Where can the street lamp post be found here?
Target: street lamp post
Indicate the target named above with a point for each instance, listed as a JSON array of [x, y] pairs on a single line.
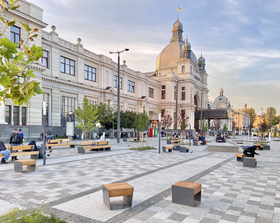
[[177, 90], [118, 118], [44, 131]]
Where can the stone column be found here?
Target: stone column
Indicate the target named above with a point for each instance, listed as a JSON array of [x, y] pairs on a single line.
[[2, 113]]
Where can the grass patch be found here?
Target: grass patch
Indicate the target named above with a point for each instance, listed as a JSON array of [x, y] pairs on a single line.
[[137, 141], [182, 143], [144, 148], [35, 215], [60, 137], [208, 141], [261, 142]]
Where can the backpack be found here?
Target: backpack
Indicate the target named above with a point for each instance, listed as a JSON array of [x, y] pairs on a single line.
[[33, 143], [16, 138]]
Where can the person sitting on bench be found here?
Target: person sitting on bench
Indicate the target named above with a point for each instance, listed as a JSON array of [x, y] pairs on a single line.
[[5, 152], [251, 151]]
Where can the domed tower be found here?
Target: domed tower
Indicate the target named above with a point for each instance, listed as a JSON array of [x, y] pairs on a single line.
[[177, 31], [186, 50], [201, 64]]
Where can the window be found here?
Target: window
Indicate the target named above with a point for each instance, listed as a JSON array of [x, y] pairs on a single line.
[[163, 94], [67, 110], [45, 60], [130, 86], [16, 115], [163, 87], [23, 115], [162, 113], [183, 96], [183, 88], [15, 35], [183, 69], [151, 92], [175, 92], [8, 114], [67, 66], [116, 82], [90, 73], [46, 98]]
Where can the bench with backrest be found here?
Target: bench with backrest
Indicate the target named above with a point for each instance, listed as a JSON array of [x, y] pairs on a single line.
[[126, 139], [88, 143], [173, 140], [60, 142], [104, 145], [25, 151]]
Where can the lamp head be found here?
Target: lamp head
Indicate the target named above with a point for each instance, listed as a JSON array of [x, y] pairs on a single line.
[[111, 52], [126, 49]]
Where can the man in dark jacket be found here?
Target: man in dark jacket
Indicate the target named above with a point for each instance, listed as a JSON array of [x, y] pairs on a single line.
[[15, 140], [5, 152], [251, 151]]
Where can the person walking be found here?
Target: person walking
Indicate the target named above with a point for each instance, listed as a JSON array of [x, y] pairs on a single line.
[[5, 152], [15, 140], [22, 136]]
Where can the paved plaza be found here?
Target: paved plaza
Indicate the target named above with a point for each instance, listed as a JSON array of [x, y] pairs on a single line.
[[70, 185]]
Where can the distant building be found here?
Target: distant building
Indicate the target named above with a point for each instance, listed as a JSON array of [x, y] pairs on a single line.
[[241, 118]]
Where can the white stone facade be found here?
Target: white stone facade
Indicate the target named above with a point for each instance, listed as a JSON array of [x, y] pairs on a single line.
[[65, 89]]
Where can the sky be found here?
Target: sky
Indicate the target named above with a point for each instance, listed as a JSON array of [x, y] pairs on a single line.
[[238, 39]]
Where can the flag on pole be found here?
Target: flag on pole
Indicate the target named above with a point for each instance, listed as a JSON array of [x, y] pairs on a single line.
[[179, 9]]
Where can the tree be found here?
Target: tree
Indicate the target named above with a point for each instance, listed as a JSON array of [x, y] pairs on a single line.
[[233, 125], [166, 121], [267, 114], [263, 124], [142, 123], [252, 114], [183, 119], [275, 120], [16, 59], [217, 124], [225, 128], [86, 116], [105, 114], [204, 126]]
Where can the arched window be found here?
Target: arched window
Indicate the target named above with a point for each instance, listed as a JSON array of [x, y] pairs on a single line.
[[183, 69]]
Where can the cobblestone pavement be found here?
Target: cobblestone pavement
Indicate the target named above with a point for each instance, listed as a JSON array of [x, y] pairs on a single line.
[[70, 185]]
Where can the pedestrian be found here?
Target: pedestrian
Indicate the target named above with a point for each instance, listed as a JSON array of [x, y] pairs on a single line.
[[100, 134], [5, 152], [94, 135], [49, 137], [251, 151], [11, 132], [15, 140], [22, 136]]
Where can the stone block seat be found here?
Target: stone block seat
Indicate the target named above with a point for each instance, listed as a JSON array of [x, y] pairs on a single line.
[[29, 163], [249, 162], [186, 193], [117, 190]]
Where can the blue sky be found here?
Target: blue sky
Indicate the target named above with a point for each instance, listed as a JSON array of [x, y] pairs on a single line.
[[239, 39]]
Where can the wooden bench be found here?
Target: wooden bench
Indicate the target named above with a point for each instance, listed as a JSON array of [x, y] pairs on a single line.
[[173, 141], [86, 143], [186, 193], [249, 162], [239, 157], [33, 154], [126, 139], [29, 163], [99, 145], [117, 190], [60, 142], [167, 148]]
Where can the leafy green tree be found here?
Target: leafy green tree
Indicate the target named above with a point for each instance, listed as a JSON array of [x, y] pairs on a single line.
[[252, 114], [263, 124], [225, 128], [276, 120], [142, 123], [16, 59], [273, 114], [86, 116], [105, 114], [204, 126]]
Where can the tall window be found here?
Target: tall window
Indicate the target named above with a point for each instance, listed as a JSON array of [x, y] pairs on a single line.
[[116, 82], [67, 110], [175, 92], [15, 35], [46, 98], [162, 113], [45, 59], [183, 69], [23, 115], [151, 92], [183, 96], [67, 66], [130, 86], [90, 73], [16, 115], [163, 94], [8, 114]]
